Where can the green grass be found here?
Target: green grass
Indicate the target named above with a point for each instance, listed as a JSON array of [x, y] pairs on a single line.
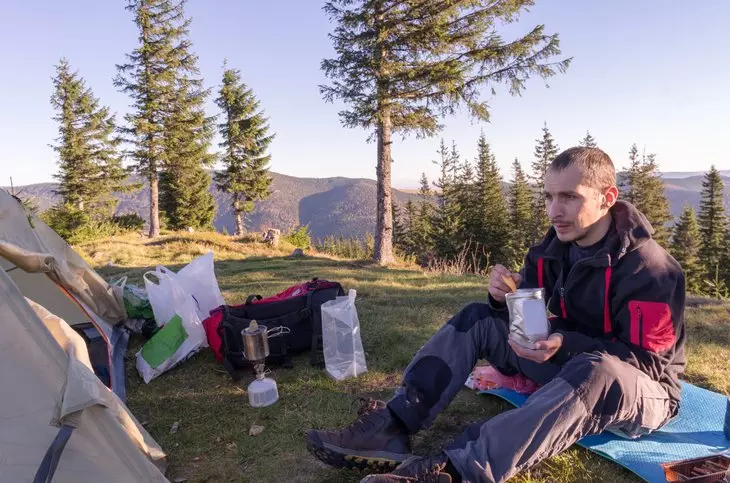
[[399, 308]]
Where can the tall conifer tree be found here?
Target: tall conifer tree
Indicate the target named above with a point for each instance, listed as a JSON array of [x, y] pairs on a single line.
[[521, 214], [154, 77], [546, 150], [89, 165], [712, 221], [685, 248], [402, 65], [246, 139], [493, 231]]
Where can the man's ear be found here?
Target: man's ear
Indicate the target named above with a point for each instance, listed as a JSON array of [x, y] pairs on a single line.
[[610, 197]]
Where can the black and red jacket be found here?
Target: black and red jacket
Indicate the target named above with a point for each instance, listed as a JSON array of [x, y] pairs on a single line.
[[627, 300]]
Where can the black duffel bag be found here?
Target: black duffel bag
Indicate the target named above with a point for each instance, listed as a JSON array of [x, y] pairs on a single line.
[[297, 309]]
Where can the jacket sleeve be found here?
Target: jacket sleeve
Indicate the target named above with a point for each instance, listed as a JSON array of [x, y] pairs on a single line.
[[647, 312]]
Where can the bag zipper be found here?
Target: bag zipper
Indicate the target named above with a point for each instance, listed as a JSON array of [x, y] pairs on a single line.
[[641, 326]]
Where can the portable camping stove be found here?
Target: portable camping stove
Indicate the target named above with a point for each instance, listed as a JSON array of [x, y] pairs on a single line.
[[262, 391]]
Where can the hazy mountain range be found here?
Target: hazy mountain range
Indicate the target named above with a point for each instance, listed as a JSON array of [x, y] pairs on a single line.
[[338, 206]]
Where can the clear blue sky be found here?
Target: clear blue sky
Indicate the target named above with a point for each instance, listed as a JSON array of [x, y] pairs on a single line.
[[652, 72]]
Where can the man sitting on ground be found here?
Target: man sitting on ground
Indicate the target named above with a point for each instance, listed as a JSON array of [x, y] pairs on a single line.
[[612, 361]]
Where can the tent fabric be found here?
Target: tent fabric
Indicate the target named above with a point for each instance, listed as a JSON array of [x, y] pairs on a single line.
[[48, 271], [28, 243], [53, 455], [82, 389], [47, 382]]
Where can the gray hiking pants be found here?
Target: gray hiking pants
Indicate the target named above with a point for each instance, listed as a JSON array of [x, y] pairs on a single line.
[[590, 393]]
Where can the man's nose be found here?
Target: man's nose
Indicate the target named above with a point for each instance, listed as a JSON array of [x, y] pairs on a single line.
[[554, 209]]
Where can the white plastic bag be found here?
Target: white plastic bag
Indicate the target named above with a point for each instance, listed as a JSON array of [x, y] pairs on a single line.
[[160, 294], [182, 334], [198, 279], [343, 353]]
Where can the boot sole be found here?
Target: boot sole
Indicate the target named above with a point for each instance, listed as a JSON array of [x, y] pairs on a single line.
[[376, 461], [387, 479]]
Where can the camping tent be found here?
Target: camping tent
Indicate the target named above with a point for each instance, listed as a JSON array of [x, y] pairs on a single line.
[[57, 418], [49, 272], [48, 384]]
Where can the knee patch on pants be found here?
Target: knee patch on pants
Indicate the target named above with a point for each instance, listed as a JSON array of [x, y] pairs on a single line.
[[426, 381]]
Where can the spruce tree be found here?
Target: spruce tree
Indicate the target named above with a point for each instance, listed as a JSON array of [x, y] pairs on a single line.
[[588, 141], [546, 150], [630, 183], [493, 231], [685, 248], [422, 228], [246, 139], [185, 196], [521, 214], [401, 66], [712, 221], [185, 199], [409, 227], [410, 215], [466, 187], [89, 166], [150, 77], [653, 203], [642, 186], [724, 261], [400, 233], [448, 219], [466, 194]]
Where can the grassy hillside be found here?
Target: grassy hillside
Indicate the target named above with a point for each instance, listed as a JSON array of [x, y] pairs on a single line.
[[399, 308]]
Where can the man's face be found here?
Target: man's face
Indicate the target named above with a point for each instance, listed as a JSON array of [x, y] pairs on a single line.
[[573, 206]]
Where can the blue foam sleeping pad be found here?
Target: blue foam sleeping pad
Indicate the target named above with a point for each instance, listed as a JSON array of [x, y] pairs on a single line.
[[696, 432]]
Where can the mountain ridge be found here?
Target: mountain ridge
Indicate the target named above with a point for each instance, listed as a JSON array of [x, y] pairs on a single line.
[[330, 206]]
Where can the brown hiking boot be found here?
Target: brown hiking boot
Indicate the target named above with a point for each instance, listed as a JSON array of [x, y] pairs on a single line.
[[429, 469], [375, 441]]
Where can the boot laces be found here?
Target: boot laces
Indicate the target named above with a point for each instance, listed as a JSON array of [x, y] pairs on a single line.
[[431, 473], [367, 406]]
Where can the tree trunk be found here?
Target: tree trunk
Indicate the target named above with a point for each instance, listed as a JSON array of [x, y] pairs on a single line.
[[383, 249], [384, 226], [238, 215], [154, 207]]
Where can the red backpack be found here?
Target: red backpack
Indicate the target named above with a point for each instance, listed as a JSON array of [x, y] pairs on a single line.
[[297, 308]]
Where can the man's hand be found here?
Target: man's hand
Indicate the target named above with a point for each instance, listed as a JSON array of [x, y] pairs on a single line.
[[543, 350], [497, 286]]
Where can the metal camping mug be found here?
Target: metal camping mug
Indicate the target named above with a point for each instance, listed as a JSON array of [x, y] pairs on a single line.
[[256, 341]]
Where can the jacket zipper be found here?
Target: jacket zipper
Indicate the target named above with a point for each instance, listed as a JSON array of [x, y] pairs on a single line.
[[588, 261], [562, 303], [641, 326]]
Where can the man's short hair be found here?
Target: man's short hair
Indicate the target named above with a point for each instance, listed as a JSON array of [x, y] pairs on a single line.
[[596, 166]]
